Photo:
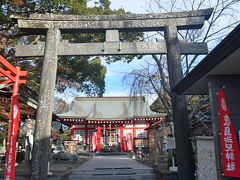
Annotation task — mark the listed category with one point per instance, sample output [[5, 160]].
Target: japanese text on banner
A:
[[229, 144]]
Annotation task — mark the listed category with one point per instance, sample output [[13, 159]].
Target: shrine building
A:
[[111, 117]]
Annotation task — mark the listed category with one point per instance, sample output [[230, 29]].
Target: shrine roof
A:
[[110, 108]]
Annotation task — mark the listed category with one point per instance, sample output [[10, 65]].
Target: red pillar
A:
[[86, 132], [99, 138], [72, 131], [147, 130], [121, 136], [134, 130], [13, 130]]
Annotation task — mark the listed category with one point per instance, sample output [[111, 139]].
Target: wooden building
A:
[[111, 117]]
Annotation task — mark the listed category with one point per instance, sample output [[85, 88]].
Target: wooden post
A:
[[110, 135], [134, 130], [41, 146], [179, 106], [86, 132]]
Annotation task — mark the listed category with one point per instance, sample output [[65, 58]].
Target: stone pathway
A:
[[117, 167]]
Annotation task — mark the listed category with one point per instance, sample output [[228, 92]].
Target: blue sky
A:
[[116, 70], [134, 6]]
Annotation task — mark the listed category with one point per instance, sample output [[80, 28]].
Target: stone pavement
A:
[[118, 167], [59, 170]]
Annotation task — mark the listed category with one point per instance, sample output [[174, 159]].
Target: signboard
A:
[[205, 159], [229, 144], [13, 129], [170, 143]]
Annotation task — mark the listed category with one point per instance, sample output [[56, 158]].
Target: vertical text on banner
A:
[[13, 129], [229, 144]]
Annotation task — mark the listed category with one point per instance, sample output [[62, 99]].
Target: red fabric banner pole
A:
[[12, 75], [229, 144], [13, 129]]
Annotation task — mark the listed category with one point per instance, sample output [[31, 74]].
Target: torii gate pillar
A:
[[42, 134], [179, 105]]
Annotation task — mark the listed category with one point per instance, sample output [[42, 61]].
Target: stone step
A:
[[112, 171], [114, 177]]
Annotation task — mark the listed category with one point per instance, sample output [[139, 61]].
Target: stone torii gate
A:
[[53, 25]]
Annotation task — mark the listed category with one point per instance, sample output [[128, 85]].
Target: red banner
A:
[[12, 138], [90, 144], [124, 141], [129, 142], [229, 144], [93, 142]]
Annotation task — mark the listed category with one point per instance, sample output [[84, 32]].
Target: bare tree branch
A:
[[162, 79], [153, 78]]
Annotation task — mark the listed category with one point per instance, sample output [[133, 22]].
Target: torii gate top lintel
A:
[[101, 23], [68, 17], [112, 25]]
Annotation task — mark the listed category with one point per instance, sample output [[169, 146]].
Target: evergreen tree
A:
[[84, 73]]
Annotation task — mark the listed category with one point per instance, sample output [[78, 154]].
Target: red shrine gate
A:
[[12, 75], [111, 117]]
